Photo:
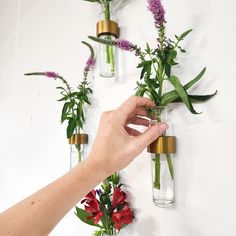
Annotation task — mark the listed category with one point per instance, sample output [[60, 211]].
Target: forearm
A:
[[38, 214]]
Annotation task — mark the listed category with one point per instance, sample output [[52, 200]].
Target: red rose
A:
[[119, 197], [122, 217], [92, 206]]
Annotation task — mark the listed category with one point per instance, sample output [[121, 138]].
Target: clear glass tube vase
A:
[[107, 29], [77, 144], [162, 158]]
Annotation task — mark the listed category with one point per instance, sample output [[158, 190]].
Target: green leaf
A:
[[85, 98], [79, 122], [60, 88], [153, 94], [167, 69], [183, 35], [198, 98], [195, 80], [63, 98], [35, 73], [98, 1], [148, 50], [98, 233], [147, 66], [172, 53], [182, 93], [64, 111], [169, 97], [71, 127], [82, 215], [142, 64]]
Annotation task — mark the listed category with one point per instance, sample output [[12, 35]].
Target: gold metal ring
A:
[[107, 27], [164, 144], [78, 139]]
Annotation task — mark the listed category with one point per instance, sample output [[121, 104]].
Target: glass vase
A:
[[109, 30], [77, 143], [162, 158]]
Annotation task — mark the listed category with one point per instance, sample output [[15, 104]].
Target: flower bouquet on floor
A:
[[73, 110], [107, 28], [106, 208], [156, 77]]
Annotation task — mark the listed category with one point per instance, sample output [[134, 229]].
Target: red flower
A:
[[122, 217], [119, 197], [92, 207]]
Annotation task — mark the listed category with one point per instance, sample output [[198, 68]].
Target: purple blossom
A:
[[157, 9], [51, 74], [90, 63], [99, 192], [124, 45]]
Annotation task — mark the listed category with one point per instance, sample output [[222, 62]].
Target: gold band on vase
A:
[[78, 139], [164, 144], [108, 27]]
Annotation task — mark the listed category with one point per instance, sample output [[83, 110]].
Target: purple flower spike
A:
[[124, 45], [90, 63], [157, 9], [51, 74]]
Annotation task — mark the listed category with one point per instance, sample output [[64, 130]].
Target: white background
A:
[[44, 35]]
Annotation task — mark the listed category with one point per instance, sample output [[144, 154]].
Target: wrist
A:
[[95, 168]]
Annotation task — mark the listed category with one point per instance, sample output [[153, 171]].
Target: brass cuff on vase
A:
[[164, 144], [78, 139], [107, 27]]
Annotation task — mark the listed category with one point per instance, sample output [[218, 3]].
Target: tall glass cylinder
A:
[[107, 29], [162, 152], [77, 143]]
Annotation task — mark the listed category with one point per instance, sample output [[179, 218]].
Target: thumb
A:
[[150, 135]]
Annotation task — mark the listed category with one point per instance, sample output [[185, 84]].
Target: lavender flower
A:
[[157, 9], [51, 74], [90, 63], [124, 45]]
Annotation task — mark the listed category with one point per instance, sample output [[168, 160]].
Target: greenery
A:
[[74, 99], [109, 50], [156, 70], [106, 208]]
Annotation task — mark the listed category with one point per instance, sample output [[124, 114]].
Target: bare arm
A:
[[115, 146]]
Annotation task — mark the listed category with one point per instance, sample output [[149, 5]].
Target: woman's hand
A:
[[116, 144]]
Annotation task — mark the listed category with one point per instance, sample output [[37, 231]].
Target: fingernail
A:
[[163, 127]]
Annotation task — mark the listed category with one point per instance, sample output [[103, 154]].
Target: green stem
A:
[[157, 180], [108, 54], [170, 165], [80, 155], [112, 58]]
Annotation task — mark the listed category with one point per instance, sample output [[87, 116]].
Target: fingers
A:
[[140, 111], [130, 105], [150, 135], [132, 132], [138, 121]]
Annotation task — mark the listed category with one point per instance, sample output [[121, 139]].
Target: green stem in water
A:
[[112, 57], [107, 54], [170, 165], [80, 155], [157, 182], [109, 49]]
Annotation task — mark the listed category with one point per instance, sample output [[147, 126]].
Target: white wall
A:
[[45, 35]]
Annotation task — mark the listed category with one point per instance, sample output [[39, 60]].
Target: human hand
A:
[[116, 144]]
